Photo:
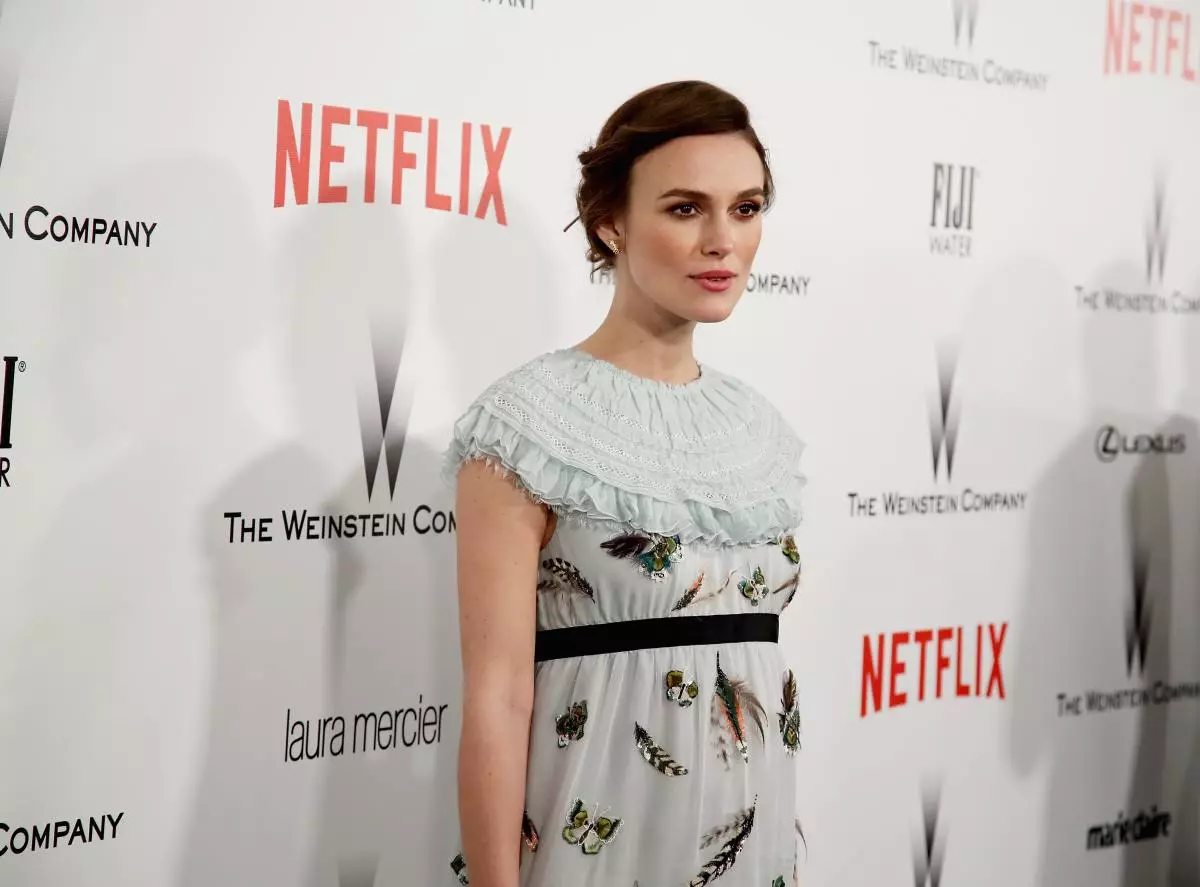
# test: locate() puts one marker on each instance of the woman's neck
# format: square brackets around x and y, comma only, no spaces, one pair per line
[658,348]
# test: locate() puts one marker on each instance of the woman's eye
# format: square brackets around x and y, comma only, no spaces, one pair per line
[680,210]
[749,209]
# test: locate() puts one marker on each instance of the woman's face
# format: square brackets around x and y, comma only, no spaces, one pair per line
[692,225]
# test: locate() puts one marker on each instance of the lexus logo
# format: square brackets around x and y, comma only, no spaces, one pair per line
[929,844]
[8,92]
[966,13]
[383,420]
[1111,443]
[1137,614]
[1157,235]
[943,424]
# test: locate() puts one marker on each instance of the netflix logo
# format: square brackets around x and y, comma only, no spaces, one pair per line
[360,136]
[932,663]
[1147,38]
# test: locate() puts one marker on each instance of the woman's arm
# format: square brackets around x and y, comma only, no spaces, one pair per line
[500,534]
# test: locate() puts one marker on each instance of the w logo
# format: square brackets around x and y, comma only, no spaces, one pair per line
[943,421]
[929,845]
[1157,235]
[1137,615]
[382,420]
[966,13]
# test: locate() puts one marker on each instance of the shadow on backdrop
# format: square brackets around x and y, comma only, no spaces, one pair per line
[494,306]
[1099,528]
[496,302]
[145,345]
[1185,836]
[332,627]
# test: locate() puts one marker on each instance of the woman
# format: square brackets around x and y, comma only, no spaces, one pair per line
[624,549]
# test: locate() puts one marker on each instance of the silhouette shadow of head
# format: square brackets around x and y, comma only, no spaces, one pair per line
[282,611]
[496,302]
[355,378]
[146,338]
[1087,517]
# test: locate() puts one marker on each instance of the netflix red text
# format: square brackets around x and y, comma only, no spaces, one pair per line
[1149,38]
[395,143]
[905,667]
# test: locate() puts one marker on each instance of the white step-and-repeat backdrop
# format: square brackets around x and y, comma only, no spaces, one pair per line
[255,258]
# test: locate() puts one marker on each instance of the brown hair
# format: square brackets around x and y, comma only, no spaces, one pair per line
[649,119]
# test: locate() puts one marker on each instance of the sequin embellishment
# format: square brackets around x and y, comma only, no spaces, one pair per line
[655,554]
[529,833]
[739,829]
[655,755]
[565,578]
[589,832]
[569,726]
[733,701]
[788,545]
[789,719]
[755,588]
[689,596]
[680,689]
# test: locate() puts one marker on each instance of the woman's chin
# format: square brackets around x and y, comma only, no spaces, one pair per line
[713,310]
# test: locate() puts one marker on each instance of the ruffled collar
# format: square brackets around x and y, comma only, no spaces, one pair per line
[709,460]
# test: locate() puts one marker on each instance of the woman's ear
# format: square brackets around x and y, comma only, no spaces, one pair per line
[609,233]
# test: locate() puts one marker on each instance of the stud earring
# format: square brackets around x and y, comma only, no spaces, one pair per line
[616,250]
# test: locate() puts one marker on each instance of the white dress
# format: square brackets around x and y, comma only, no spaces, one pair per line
[662,746]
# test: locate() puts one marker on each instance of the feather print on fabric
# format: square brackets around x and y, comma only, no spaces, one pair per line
[728,854]
[721,832]
[733,702]
[791,585]
[689,596]
[565,577]
[789,718]
[627,546]
[707,595]
[656,756]
[654,554]
[791,594]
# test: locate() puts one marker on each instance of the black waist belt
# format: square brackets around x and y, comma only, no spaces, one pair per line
[647,634]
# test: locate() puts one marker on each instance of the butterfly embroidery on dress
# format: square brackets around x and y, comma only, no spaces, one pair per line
[569,726]
[589,832]
[754,588]
[787,544]
[679,688]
